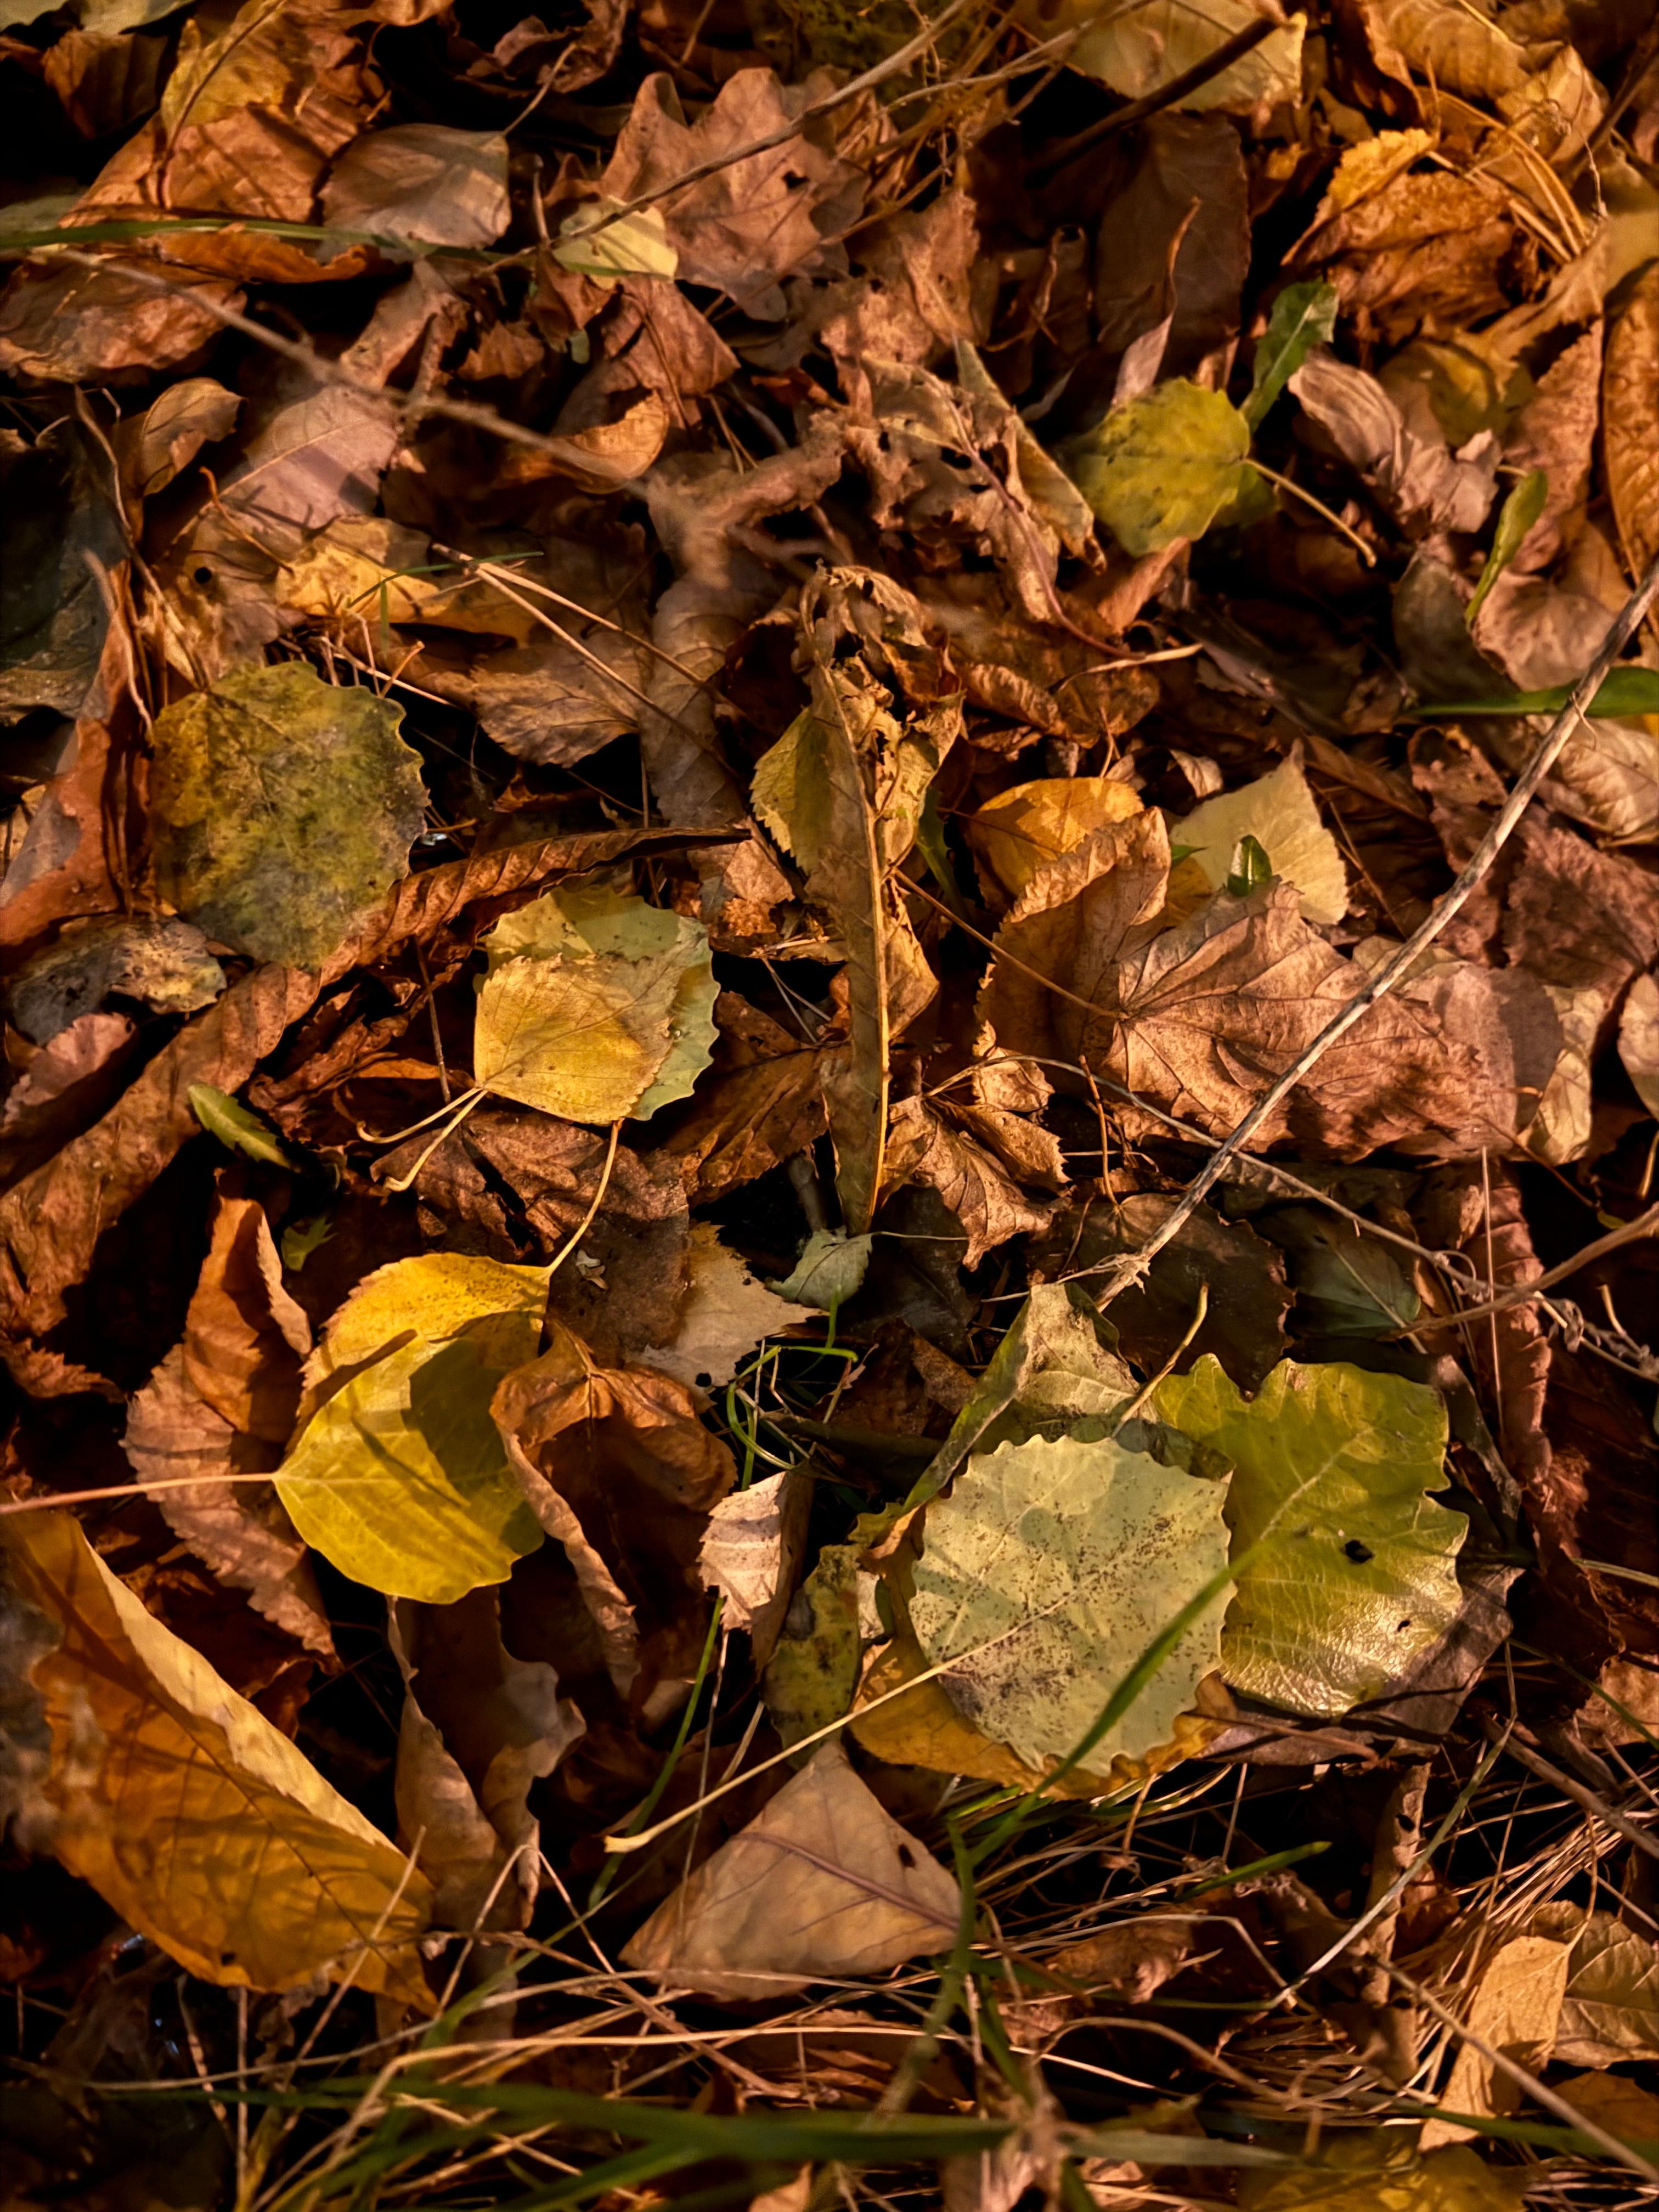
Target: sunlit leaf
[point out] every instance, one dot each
(596, 241)
(199, 1821)
(399, 1475)
(597, 1006)
(1279, 812)
(1017, 832)
(1163, 466)
(238, 1126)
(1357, 1575)
(1050, 1569)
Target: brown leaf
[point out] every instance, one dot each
(51, 1222)
(479, 1729)
(424, 181)
(106, 325)
(1630, 399)
(1188, 162)
(923, 1147)
(823, 1884)
(759, 217)
(1423, 484)
(1555, 431)
(761, 1103)
(620, 1471)
(1427, 250)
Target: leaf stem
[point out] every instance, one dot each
(1288, 483)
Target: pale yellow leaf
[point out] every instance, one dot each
(1014, 834)
(823, 1884)
(1515, 2008)
(1045, 1575)
(1279, 811)
(726, 1315)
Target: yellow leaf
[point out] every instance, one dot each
(596, 1006)
(1277, 810)
(1378, 2172)
(364, 568)
(823, 1884)
(1516, 2009)
(399, 1475)
(1016, 832)
(1047, 1571)
(1138, 47)
(189, 1813)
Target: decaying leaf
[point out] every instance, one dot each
(1063, 1561)
(397, 1474)
(1021, 828)
(1514, 2007)
(1356, 1575)
(285, 810)
(1142, 47)
(820, 1884)
(422, 181)
(1638, 1040)
(726, 1315)
(194, 1817)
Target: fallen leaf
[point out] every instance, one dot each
(164, 965)
(397, 1475)
(753, 1540)
(73, 326)
(1279, 811)
(285, 809)
(237, 1127)
(423, 181)
(830, 1270)
(1354, 2178)
(925, 1145)
(362, 569)
(60, 529)
(1514, 2007)
(1163, 466)
(596, 1006)
(1357, 1574)
(726, 1313)
(1630, 392)
(479, 1729)
(1016, 832)
(1047, 1571)
(760, 216)
(193, 1817)
(1423, 484)
(1139, 50)
(600, 241)
(620, 1471)
(1610, 2008)
(821, 1885)
(1639, 1041)
(1302, 316)
(196, 412)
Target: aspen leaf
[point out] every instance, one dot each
(1063, 1560)
(1278, 809)
(1357, 1574)
(284, 808)
(822, 1883)
(1163, 466)
(596, 1006)
(188, 1812)
(399, 1476)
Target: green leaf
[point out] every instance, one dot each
(399, 1477)
(301, 1239)
(1346, 1283)
(285, 808)
(597, 1006)
(1250, 866)
(1626, 691)
(1357, 1574)
(1303, 317)
(238, 1126)
(829, 1271)
(1163, 466)
(1047, 1572)
(1516, 518)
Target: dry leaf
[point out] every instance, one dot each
(1514, 2006)
(1639, 1041)
(422, 181)
(192, 1815)
(823, 1884)
(1630, 398)
(726, 1313)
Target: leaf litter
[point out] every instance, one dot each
(829, 950)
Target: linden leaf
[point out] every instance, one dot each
(399, 1476)
(1279, 811)
(597, 1006)
(1047, 1571)
(1357, 1576)
(188, 1812)
(284, 810)
(1163, 466)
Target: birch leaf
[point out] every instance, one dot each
(1357, 1577)
(399, 1476)
(1163, 466)
(597, 1006)
(188, 1812)
(1047, 1571)
(1279, 811)
(284, 807)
